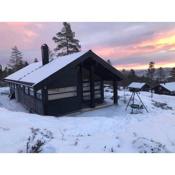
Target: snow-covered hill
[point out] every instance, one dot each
(109, 129)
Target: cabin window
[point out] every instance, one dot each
(59, 93)
(26, 90)
(31, 91)
(38, 94)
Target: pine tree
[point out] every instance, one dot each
(172, 73)
(132, 76)
(124, 72)
(25, 63)
(35, 60)
(132, 73)
(51, 55)
(16, 60)
(151, 70)
(1, 72)
(161, 74)
(66, 42)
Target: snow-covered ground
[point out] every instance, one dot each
(109, 129)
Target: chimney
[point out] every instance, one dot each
(45, 54)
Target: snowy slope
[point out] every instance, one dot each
(110, 129)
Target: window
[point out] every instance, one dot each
(59, 93)
(26, 90)
(38, 94)
(31, 91)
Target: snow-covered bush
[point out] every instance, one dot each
(144, 145)
(37, 140)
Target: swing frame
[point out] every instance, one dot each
(133, 105)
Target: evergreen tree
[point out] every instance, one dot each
(16, 60)
(66, 42)
(172, 73)
(151, 70)
(35, 60)
(124, 72)
(132, 73)
(132, 76)
(25, 63)
(161, 74)
(51, 55)
(1, 72)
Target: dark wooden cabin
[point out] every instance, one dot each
(63, 85)
(165, 88)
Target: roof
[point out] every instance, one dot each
(20, 74)
(169, 86)
(136, 85)
(36, 72)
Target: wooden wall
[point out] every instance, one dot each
(30, 102)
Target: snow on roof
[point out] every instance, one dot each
(169, 86)
(18, 75)
(136, 85)
(36, 72)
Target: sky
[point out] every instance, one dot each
(127, 45)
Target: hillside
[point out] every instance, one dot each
(109, 129)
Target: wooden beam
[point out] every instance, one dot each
(102, 89)
(115, 92)
(80, 84)
(44, 92)
(92, 92)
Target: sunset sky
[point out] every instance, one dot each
(127, 45)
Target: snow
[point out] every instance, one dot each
(136, 85)
(108, 129)
(18, 75)
(35, 73)
(169, 86)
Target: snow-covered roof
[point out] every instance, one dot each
(18, 75)
(169, 86)
(36, 72)
(136, 85)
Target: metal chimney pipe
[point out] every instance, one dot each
(45, 54)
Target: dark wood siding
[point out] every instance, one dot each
(68, 78)
(161, 90)
(29, 102)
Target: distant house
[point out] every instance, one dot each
(63, 85)
(165, 88)
(136, 86)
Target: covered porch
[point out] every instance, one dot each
(92, 76)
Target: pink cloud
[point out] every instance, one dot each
(15, 33)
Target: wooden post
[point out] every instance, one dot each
(80, 84)
(102, 89)
(44, 92)
(92, 92)
(115, 92)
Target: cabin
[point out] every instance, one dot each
(136, 86)
(64, 85)
(165, 88)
